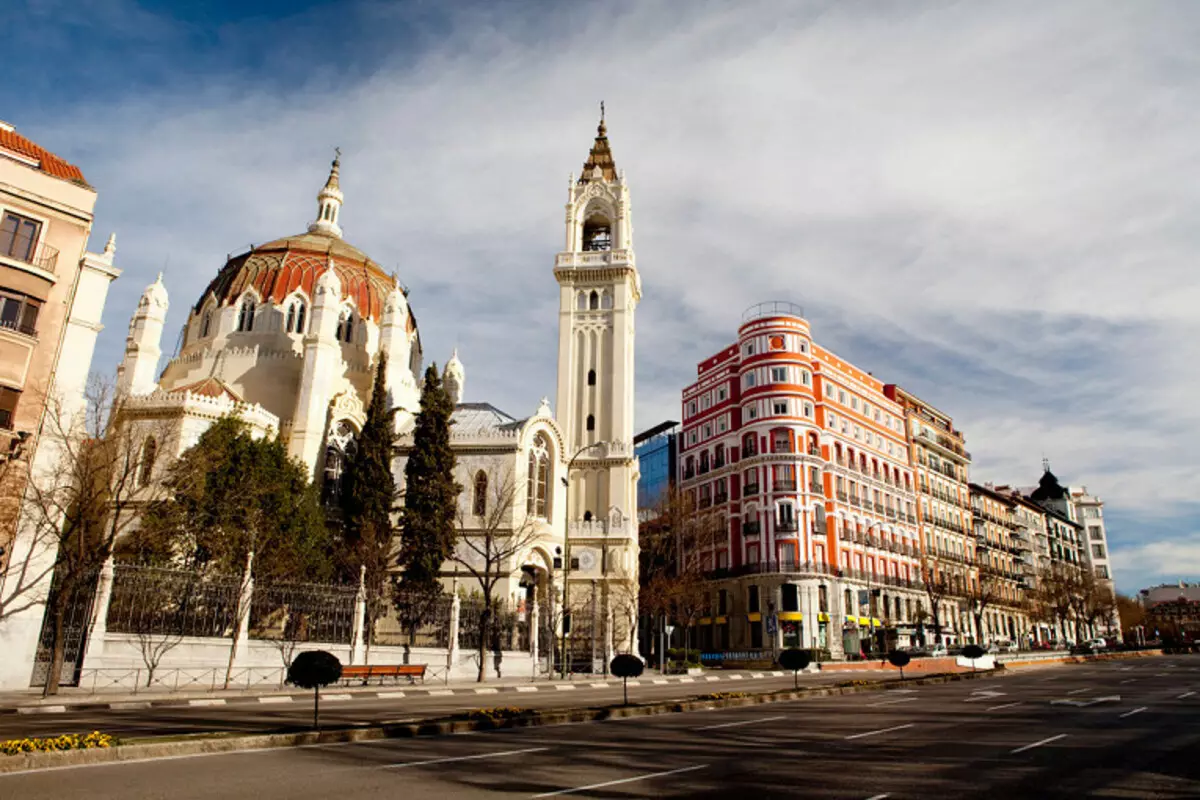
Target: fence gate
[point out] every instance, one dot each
(75, 626)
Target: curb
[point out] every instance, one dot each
(30, 762)
(131, 702)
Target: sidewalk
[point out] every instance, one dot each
(72, 699)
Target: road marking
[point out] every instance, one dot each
(632, 683)
(527, 688)
(881, 730)
(598, 685)
(132, 706)
(756, 675)
(737, 677)
(568, 688)
(1038, 744)
(1134, 711)
(500, 754)
(687, 680)
(46, 709)
(659, 681)
(444, 692)
(1160, 674)
(635, 778)
(281, 698)
(737, 724)
(338, 697)
(711, 678)
(893, 702)
(1006, 705)
(203, 702)
(389, 695)
(879, 797)
(1129, 680)
(1185, 695)
(487, 690)
(1077, 691)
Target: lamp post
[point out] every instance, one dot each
(566, 607)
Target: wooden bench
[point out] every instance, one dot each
(383, 672)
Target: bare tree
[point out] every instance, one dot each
(493, 532)
(937, 588)
(1057, 585)
(97, 469)
(983, 593)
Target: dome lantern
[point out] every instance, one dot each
(329, 202)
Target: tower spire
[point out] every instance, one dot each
(329, 201)
(600, 157)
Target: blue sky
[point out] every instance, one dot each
(990, 204)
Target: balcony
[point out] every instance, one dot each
(751, 528)
(891, 512)
(705, 502)
(814, 451)
(783, 485)
(912, 518)
(879, 508)
(718, 463)
(20, 326)
(816, 488)
(703, 467)
(23, 251)
(841, 495)
(788, 526)
(750, 488)
(721, 497)
(854, 501)
(688, 474)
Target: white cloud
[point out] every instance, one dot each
(988, 203)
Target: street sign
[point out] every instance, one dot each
(772, 625)
(669, 629)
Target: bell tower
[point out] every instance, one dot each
(599, 289)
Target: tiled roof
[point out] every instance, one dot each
(479, 418)
(49, 163)
(600, 156)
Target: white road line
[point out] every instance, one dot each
(598, 685)
(635, 778)
(527, 688)
(1129, 680)
(1134, 711)
(46, 709)
(687, 680)
(756, 675)
(500, 754)
(881, 730)
(1077, 691)
(389, 695)
(487, 690)
(632, 683)
(203, 702)
(879, 797)
(570, 687)
(712, 678)
(892, 702)
(1038, 744)
(737, 677)
(1185, 695)
(443, 692)
(337, 697)
(131, 706)
(737, 724)
(283, 698)
(997, 708)
(659, 681)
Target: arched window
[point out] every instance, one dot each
(591, 377)
(206, 324)
(591, 422)
(605, 300)
(345, 327)
(594, 301)
(149, 454)
(581, 301)
(296, 314)
(540, 477)
(246, 315)
(338, 451)
(479, 507)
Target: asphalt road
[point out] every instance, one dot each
(1120, 729)
(140, 721)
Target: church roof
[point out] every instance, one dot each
(210, 387)
(278, 268)
(600, 155)
(481, 419)
(1048, 488)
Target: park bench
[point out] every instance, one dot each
(382, 672)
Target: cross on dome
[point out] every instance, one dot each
(329, 201)
(600, 155)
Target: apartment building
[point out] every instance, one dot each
(1004, 558)
(804, 462)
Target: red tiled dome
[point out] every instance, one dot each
(278, 268)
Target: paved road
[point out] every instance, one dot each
(1053, 732)
(139, 720)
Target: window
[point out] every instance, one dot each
(854, 403)
(751, 412)
(808, 410)
(8, 406)
(1095, 533)
(779, 407)
(842, 397)
(1097, 551)
(722, 425)
(1102, 572)
(149, 454)
(591, 422)
(605, 300)
(748, 380)
(748, 349)
(806, 377)
(778, 374)
(206, 324)
(245, 322)
(721, 394)
(296, 313)
(752, 604)
(591, 377)
(19, 312)
(781, 442)
(539, 477)
(479, 507)
(345, 327)
(748, 445)
(803, 346)
(708, 431)
(692, 409)
(594, 301)
(338, 453)
(19, 236)
(581, 301)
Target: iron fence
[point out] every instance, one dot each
(434, 631)
(303, 612)
(171, 602)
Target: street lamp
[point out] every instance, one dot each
(566, 607)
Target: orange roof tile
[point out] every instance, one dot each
(47, 162)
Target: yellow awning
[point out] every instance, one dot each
(822, 616)
(755, 617)
(706, 620)
(864, 621)
(722, 620)
(791, 616)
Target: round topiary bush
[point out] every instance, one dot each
(313, 669)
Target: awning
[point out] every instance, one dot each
(822, 617)
(755, 617)
(790, 616)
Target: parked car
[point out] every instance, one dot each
(1002, 646)
(938, 651)
(1098, 643)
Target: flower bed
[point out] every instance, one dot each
(68, 741)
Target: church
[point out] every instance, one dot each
(288, 334)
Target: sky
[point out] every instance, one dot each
(990, 204)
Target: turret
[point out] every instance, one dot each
(454, 378)
(137, 372)
(329, 203)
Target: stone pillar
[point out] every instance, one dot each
(608, 634)
(358, 634)
(98, 625)
(452, 650)
(837, 616)
(534, 630)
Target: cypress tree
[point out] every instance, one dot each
(431, 495)
(368, 497)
